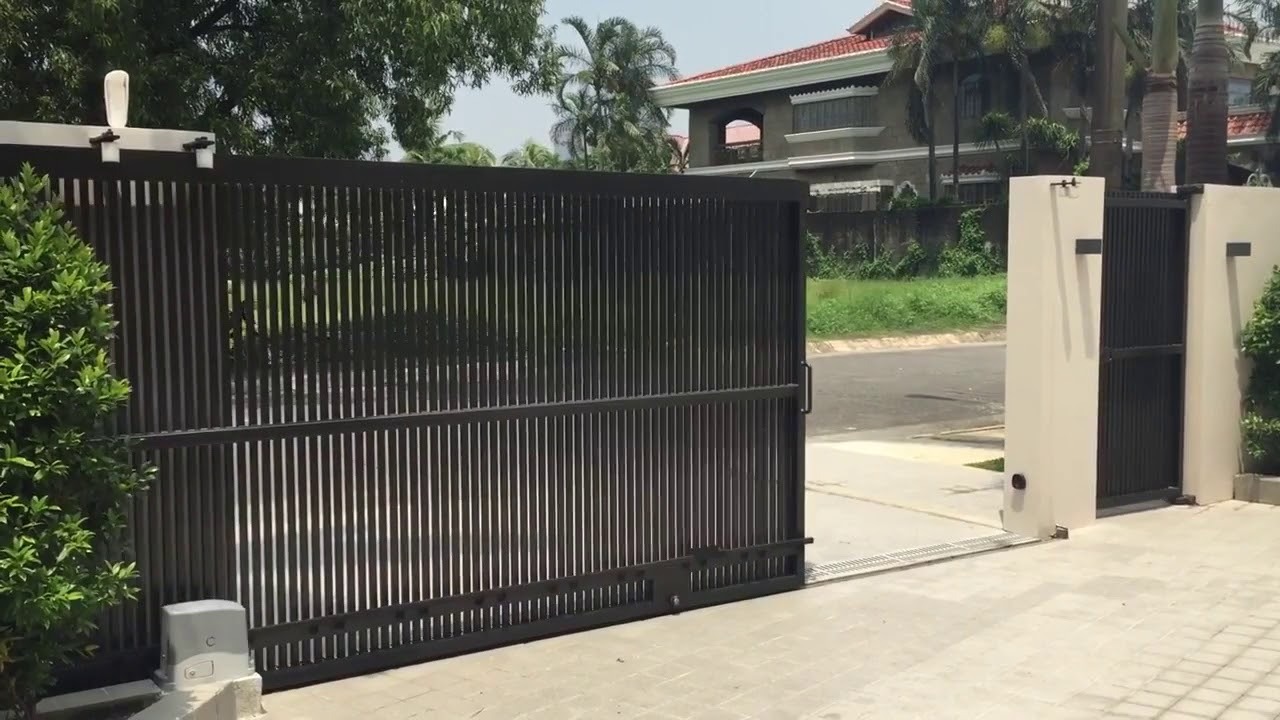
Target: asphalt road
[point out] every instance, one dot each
(945, 388)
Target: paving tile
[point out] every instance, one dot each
(1161, 614)
(1266, 706)
(1134, 710)
(1199, 708)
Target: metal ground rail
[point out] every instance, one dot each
(402, 411)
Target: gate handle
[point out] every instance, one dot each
(808, 388)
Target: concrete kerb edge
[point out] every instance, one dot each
(239, 699)
(910, 342)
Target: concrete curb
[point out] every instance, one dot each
(910, 342)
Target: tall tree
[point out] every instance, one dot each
(1160, 103)
(905, 56)
(605, 109)
(293, 77)
(577, 124)
(1207, 104)
(532, 155)
(1107, 121)
(940, 33)
(1015, 29)
(1207, 101)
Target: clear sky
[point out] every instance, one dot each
(705, 33)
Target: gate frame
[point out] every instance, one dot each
(672, 579)
(1173, 493)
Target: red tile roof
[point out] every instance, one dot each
(1242, 125)
(839, 47)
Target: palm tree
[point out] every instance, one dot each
(577, 124)
(423, 148)
(904, 53)
(1016, 29)
(531, 155)
(1207, 101)
(940, 32)
(456, 153)
(605, 112)
(1160, 102)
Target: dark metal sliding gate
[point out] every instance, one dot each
(1144, 303)
(403, 411)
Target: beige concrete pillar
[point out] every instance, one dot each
(1051, 368)
(1221, 292)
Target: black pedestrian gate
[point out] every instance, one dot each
(1144, 303)
(402, 411)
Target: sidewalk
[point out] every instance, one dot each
(950, 491)
(1175, 611)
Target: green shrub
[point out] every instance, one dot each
(825, 264)
(64, 483)
(971, 255)
(1260, 342)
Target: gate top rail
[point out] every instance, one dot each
(163, 166)
(1137, 198)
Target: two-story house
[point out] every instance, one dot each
(824, 113)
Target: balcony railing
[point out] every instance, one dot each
(737, 153)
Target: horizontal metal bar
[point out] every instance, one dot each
(1239, 249)
(336, 668)
(1088, 246)
(427, 609)
(1171, 202)
(275, 431)
(1168, 494)
(333, 669)
(240, 169)
(1128, 353)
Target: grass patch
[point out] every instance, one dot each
(861, 308)
(996, 465)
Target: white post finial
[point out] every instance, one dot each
(115, 92)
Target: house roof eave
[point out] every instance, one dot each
(783, 77)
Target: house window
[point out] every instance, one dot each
(978, 193)
(973, 97)
(1239, 92)
(836, 113)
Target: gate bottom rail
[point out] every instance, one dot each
(671, 591)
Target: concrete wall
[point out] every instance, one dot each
(1051, 368)
(705, 118)
(1221, 293)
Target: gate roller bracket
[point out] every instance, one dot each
(1239, 249)
(203, 148)
(106, 142)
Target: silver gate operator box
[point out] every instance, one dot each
(203, 642)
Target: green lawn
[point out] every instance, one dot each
(996, 465)
(865, 308)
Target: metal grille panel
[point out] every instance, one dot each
(405, 411)
(1144, 291)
